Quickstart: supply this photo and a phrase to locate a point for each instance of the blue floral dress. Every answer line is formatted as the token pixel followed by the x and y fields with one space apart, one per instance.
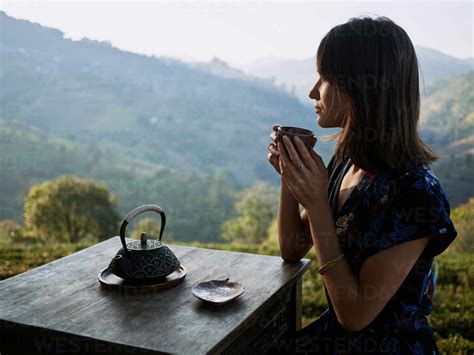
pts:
pixel 384 210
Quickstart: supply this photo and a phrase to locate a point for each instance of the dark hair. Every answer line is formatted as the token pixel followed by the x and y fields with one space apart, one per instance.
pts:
pixel 373 64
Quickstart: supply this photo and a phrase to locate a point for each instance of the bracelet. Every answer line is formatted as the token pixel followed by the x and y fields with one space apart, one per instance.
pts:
pixel 330 263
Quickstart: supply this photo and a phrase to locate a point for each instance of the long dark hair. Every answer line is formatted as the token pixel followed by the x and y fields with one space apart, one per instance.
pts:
pixel 372 64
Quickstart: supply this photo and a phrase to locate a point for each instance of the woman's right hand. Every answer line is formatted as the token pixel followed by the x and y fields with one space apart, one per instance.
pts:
pixel 274 155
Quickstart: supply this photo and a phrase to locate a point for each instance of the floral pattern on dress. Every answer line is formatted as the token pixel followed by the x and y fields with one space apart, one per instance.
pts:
pixel 342 222
pixel 385 210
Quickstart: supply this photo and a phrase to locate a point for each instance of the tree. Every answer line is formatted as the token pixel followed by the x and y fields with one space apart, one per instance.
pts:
pixel 255 208
pixel 463 220
pixel 152 229
pixel 9 231
pixel 70 209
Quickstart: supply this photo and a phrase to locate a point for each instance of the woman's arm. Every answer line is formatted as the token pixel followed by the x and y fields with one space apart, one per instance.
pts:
pixel 357 301
pixel 294 233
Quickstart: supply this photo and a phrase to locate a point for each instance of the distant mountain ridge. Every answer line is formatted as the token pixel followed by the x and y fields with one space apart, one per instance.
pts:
pixel 220 68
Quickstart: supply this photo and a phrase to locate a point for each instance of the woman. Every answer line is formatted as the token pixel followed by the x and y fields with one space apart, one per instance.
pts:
pixel 376 216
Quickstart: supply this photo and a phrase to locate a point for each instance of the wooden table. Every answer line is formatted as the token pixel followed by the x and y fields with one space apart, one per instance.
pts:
pixel 61 307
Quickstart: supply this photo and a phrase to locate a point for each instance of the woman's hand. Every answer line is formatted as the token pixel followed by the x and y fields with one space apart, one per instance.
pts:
pixel 274 155
pixel 309 185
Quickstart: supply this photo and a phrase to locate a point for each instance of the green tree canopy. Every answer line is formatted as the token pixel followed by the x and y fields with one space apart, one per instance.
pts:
pixel 152 229
pixel 70 209
pixel 255 208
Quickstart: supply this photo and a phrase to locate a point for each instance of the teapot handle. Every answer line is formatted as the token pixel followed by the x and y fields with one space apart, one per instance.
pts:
pixel 135 212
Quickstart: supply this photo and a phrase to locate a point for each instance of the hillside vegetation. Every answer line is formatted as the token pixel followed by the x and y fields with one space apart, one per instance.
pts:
pixel 189 199
pixel 159 130
pixel 154 109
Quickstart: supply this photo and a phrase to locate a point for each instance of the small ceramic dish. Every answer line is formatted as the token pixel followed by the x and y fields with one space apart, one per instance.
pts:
pixel 218 291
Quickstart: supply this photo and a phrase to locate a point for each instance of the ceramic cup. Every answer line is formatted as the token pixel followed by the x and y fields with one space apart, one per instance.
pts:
pixel 304 134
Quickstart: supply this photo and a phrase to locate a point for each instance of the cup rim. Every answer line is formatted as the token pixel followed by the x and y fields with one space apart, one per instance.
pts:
pixel 296 134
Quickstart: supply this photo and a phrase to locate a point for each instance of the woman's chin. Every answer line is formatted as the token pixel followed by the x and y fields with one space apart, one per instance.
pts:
pixel 321 123
pixel 324 123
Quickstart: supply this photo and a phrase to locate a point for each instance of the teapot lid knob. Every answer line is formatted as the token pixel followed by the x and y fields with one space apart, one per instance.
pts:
pixel 143 239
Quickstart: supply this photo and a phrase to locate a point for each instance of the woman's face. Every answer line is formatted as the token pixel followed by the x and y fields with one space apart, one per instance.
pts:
pixel 328 106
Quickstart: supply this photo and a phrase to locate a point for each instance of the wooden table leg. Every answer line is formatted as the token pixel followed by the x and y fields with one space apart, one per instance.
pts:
pixel 295 307
pixel 285 343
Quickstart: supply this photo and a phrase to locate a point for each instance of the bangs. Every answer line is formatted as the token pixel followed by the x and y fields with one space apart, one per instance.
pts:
pixel 322 59
pixel 332 58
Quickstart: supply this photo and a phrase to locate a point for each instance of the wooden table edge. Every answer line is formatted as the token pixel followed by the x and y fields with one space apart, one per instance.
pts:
pixel 239 330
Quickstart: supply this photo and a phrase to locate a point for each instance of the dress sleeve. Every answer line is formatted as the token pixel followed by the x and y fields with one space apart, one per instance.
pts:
pixel 419 209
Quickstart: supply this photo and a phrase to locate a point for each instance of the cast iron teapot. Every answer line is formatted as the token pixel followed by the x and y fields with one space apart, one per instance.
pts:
pixel 144 260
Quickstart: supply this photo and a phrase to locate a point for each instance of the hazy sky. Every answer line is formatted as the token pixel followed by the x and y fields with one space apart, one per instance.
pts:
pixel 240 32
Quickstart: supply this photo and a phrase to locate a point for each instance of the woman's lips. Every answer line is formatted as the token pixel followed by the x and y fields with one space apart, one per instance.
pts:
pixel 317 109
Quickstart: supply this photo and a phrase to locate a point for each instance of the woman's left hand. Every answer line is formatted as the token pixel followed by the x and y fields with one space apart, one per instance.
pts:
pixel 309 185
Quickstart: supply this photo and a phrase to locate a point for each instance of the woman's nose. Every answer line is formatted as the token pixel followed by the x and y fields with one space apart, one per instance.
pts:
pixel 314 93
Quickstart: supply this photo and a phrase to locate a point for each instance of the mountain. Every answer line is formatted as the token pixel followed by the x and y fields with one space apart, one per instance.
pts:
pixel 436 65
pixel 298 76
pixel 456 173
pixel 301 73
pixel 145 107
pixel 447 118
pixel 448 108
pixel 220 68
pixel 157 129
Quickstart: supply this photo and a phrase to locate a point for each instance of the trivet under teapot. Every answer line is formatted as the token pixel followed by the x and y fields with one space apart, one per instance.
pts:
pixel 110 280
